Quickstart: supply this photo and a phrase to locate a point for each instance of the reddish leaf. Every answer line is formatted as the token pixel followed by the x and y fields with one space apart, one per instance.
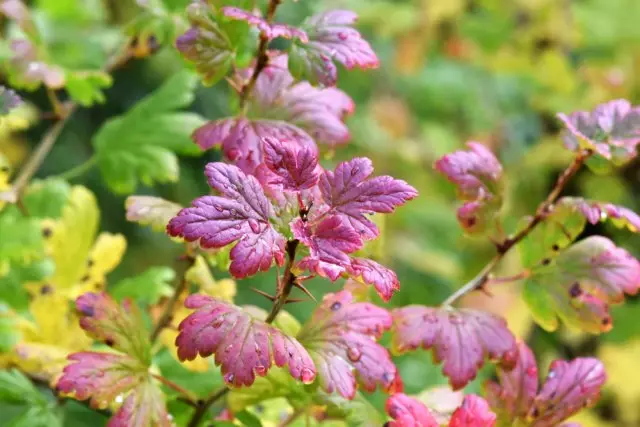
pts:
pixel 31 71
pixel 517 388
pixel 295 168
pixel 143 408
pixel 595 212
pixel 474 412
pixel 242 345
pixel 462 339
pixel 380 277
pixel 477 173
pixel 331 36
pixel 341 339
pixel 241 139
pixel 570 386
pixel 612 129
pixel 268 30
pixel 408 412
pixel 329 243
pixel 350 195
pixel 120 327
pixel 242 214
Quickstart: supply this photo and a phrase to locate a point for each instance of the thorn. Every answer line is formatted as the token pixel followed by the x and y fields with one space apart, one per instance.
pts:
pixel 300 286
pixel 264 294
pixel 293 300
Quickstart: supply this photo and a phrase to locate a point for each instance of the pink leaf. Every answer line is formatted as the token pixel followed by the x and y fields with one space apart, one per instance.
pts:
pixel 242 345
pixel 474 412
pixel 120 327
pixel 408 412
pixel 350 195
pixel 242 214
pixel 331 36
pixel 595 212
pixel 329 243
pixel 380 277
pixel 517 388
pixel 570 386
pixel 295 168
pixel 462 339
pixel 612 129
pixel 477 173
pixel 341 339
pixel 268 30
pixel 106 377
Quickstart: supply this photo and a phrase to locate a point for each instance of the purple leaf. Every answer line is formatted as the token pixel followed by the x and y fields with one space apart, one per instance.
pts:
pixel 380 277
pixel 269 30
pixel 462 339
pixel 329 243
pixel 8 100
pixel 341 339
pixel 474 412
pixel 595 212
pixel 570 386
pixel 408 412
pixel 295 168
pixel 242 345
pixel 612 130
pixel 120 327
pixel 242 214
pixel 104 377
pixel 207 48
pixel 331 37
pixel 350 195
pixel 477 174
pixel 516 389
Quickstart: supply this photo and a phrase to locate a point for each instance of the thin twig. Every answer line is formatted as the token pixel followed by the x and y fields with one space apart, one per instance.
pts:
pixel 186 395
pixel 203 407
pixel 286 283
pixel 541 212
pixel 262 59
pixel 186 262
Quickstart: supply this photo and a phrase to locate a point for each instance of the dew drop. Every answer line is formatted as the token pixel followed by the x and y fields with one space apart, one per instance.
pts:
pixel 354 354
pixel 218 322
pixel 307 375
pixel 532 371
pixel 233 211
pixel 336 306
pixel 229 348
pixel 551 375
pixel 229 377
pixel 260 370
pixel 388 377
pixel 218 208
pixel 343 36
pixel 255 226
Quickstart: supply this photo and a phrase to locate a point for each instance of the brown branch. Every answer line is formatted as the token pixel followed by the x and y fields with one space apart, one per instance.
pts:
pixel 203 406
pixel 286 283
pixel 185 395
pixel 262 59
pixel 541 212
pixel 185 263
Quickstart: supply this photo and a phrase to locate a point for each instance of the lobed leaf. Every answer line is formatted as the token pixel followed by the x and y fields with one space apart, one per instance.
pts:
pixel 119 326
pixel 477 174
pixel 474 412
pixel 595 212
pixel 612 130
pixel 384 280
pixel 329 243
pixel 579 283
pixel 142 144
pixel 267 29
pixel 331 36
pixel 408 412
pixel 350 194
pixel 341 339
pixel 241 214
pixel 294 168
pixel 243 346
pixel 462 339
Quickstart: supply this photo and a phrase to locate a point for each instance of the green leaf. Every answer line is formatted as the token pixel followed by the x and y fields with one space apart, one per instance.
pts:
pixel 142 144
pixel 21 239
pixel 277 383
pixel 46 198
pixel 147 287
pixel 248 419
pixel 557 231
pixel 358 412
pixel 9 334
pixel 16 388
pixel 86 87
pixel 12 290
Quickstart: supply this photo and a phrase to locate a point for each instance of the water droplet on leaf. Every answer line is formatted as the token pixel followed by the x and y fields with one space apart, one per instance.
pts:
pixel 229 377
pixel 307 375
pixel 354 354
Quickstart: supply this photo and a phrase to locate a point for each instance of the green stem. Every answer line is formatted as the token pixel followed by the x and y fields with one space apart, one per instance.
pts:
pixel 79 170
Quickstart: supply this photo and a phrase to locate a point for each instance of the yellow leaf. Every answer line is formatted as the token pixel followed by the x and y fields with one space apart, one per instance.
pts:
pixel 621 361
pixel 42 361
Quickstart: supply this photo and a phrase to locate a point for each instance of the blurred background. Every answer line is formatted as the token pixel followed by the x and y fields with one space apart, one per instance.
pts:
pixel 494 71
